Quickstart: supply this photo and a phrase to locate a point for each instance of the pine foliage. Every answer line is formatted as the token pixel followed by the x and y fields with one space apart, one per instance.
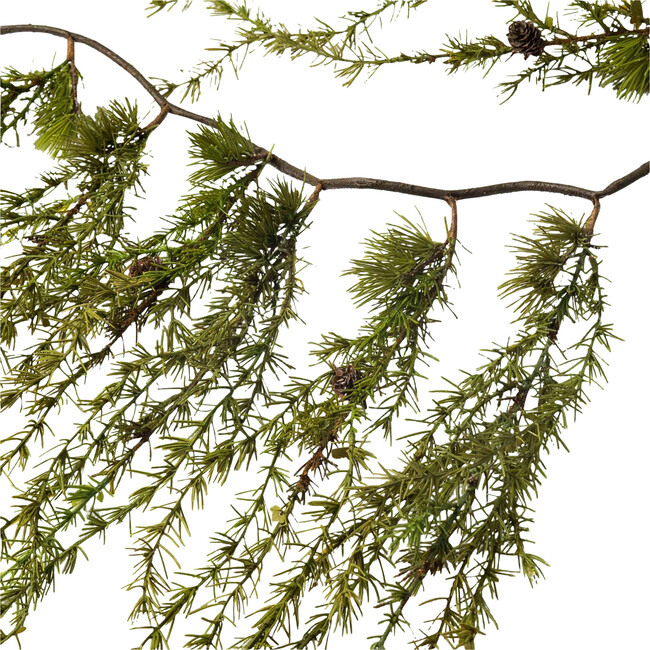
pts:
pixel 181 330
pixel 49 95
pixel 601 43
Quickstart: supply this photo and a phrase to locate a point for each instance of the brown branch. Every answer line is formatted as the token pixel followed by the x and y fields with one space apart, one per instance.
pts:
pixel 439 249
pixel 599 37
pixel 315 194
pixel 486 190
pixel 446 56
pixel 591 221
pixel 344 183
pixel 81 201
pixel 623 182
pixel 74 77
pixel 317 462
pixel 157 121
pixel 453 230
pixel 80 38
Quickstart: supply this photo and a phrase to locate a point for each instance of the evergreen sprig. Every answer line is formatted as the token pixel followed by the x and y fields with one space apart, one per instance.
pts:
pixel 98 289
pixel 615 54
pixel 458 505
pixel 46 94
pixel 616 50
pixel 343 46
pixel 327 430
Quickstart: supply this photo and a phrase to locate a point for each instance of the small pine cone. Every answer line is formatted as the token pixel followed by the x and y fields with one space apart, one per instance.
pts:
pixel 144 264
pixel 436 565
pixel 344 380
pixel 525 38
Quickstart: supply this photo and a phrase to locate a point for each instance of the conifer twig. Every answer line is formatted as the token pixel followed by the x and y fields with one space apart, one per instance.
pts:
pixel 74 77
pixel 591 221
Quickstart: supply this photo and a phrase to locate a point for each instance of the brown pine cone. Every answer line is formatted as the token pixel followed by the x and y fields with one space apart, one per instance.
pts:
pixel 344 379
pixel 525 38
pixel 144 264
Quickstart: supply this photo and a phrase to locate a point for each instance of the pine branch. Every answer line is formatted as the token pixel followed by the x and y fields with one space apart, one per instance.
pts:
pixel 351 56
pixel 200 306
pixel 346 183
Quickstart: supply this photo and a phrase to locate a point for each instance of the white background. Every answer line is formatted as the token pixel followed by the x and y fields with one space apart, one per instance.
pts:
pixel 415 124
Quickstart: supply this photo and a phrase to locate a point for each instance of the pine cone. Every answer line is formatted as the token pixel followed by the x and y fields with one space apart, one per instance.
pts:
pixel 144 264
pixel 344 380
pixel 525 38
